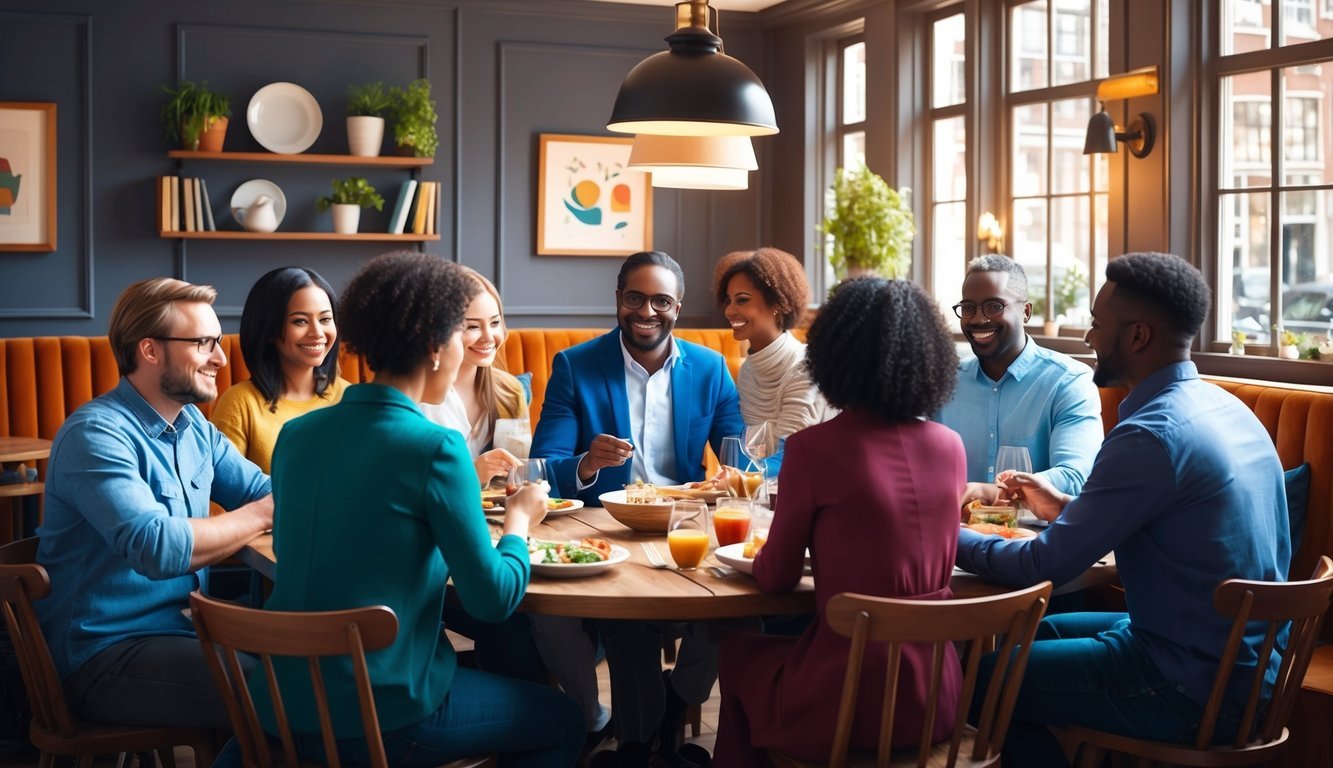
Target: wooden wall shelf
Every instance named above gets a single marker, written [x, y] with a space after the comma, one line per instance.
[365, 237]
[383, 161]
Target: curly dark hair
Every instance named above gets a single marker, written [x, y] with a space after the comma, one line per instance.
[401, 305]
[779, 275]
[882, 346]
[651, 259]
[1165, 285]
[264, 320]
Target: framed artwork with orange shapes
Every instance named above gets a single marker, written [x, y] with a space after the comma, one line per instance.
[27, 176]
[589, 202]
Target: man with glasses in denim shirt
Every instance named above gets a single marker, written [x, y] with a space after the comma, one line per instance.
[1014, 392]
[127, 533]
[639, 405]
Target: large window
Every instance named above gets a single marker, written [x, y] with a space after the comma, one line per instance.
[1274, 190]
[1057, 196]
[948, 224]
[852, 112]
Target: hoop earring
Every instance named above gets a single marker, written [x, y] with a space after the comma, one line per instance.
[436, 367]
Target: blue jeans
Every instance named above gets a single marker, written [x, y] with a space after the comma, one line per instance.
[527, 724]
[1087, 669]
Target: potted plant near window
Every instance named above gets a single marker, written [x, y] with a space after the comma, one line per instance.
[414, 119]
[871, 225]
[348, 198]
[366, 106]
[196, 116]
[1066, 299]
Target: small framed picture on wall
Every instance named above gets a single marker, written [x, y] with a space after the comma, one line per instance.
[27, 176]
[589, 203]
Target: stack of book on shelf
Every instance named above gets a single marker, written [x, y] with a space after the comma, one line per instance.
[183, 205]
[418, 206]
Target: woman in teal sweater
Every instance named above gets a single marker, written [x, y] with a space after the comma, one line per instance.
[374, 504]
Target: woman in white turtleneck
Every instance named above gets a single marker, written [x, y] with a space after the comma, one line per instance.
[763, 294]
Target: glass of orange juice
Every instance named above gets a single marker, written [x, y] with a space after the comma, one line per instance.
[761, 519]
[687, 533]
[731, 521]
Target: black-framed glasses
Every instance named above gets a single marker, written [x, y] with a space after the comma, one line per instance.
[991, 308]
[660, 302]
[206, 344]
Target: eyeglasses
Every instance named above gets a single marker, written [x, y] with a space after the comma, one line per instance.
[990, 308]
[206, 344]
[660, 302]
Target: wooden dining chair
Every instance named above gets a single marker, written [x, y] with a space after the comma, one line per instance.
[54, 730]
[1010, 619]
[225, 629]
[1261, 735]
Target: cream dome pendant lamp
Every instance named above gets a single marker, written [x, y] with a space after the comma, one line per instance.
[693, 89]
[695, 162]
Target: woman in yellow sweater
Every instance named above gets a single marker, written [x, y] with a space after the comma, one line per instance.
[290, 344]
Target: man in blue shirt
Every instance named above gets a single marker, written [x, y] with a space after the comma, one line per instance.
[1015, 393]
[1187, 491]
[127, 533]
[638, 404]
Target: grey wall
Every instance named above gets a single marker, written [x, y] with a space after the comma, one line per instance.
[502, 72]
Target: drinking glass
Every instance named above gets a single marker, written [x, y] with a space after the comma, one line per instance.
[1014, 458]
[761, 518]
[731, 521]
[513, 435]
[529, 472]
[732, 455]
[687, 533]
[760, 443]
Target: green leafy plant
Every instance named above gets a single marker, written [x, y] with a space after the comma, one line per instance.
[368, 100]
[353, 191]
[191, 110]
[1067, 289]
[870, 223]
[414, 118]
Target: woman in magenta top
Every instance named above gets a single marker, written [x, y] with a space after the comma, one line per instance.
[873, 493]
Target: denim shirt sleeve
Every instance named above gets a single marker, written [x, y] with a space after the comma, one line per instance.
[236, 479]
[142, 512]
[1076, 433]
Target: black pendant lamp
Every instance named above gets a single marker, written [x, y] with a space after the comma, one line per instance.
[693, 89]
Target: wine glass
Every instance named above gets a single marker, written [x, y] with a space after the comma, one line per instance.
[687, 533]
[529, 472]
[1014, 458]
[760, 443]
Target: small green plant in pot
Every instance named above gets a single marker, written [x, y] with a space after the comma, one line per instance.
[348, 198]
[367, 104]
[871, 226]
[414, 119]
[196, 116]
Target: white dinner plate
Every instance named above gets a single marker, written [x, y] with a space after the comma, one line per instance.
[245, 195]
[574, 505]
[734, 556]
[574, 570]
[284, 118]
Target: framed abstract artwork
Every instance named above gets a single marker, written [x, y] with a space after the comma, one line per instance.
[588, 201]
[27, 176]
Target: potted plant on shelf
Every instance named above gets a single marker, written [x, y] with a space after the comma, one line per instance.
[366, 106]
[414, 119]
[196, 116]
[870, 224]
[348, 198]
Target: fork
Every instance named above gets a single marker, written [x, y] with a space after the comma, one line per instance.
[654, 558]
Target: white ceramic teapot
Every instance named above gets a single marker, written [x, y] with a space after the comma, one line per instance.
[259, 216]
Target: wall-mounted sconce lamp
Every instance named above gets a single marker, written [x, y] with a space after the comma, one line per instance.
[693, 89]
[1141, 133]
[694, 162]
[990, 232]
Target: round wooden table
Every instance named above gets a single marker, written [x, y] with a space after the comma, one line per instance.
[635, 589]
[26, 496]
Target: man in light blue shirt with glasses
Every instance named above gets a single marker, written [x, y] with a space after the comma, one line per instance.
[1015, 393]
[127, 533]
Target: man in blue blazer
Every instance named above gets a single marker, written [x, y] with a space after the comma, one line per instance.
[639, 405]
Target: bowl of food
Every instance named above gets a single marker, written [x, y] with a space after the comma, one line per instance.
[638, 507]
[992, 514]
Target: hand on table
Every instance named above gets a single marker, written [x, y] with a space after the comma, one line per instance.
[1034, 492]
[494, 462]
[525, 509]
[604, 451]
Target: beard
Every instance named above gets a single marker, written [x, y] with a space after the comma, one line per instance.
[634, 341]
[182, 388]
[1107, 373]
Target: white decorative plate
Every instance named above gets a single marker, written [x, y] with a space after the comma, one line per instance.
[246, 194]
[573, 570]
[734, 556]
[573, 506]
[284, 118]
